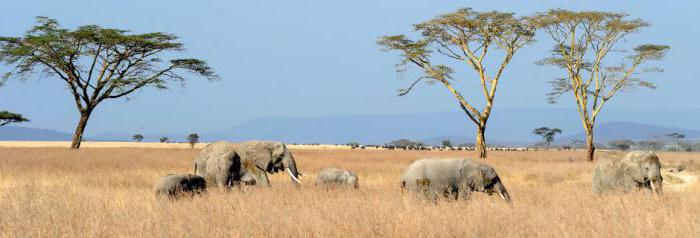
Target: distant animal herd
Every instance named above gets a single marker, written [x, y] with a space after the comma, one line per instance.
[228, 165]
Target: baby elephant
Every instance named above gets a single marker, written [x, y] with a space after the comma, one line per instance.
[177, 185]
[330, 177]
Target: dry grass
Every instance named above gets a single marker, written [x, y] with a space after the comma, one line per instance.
[108, 192]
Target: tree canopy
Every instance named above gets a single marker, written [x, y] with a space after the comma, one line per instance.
[585, 47]
[98, 63]
[465, 36]
[9, 117]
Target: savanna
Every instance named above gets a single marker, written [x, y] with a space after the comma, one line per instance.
[108, 192]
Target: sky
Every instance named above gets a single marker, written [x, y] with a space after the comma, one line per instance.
[319, 58]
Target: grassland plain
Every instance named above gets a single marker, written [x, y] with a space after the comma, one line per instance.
[108, 192]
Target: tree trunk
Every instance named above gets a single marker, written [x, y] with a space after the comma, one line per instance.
[590, 148]
[78, 135]
[548, 145]
[481, 141]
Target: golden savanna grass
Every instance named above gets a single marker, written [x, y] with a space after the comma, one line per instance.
[108, 192]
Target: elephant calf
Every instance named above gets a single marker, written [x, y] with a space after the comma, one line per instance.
[635, 171]
[456, 177]
[176, 185]
[331, 177]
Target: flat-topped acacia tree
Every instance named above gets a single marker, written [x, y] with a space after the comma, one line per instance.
[595, 70]
[98, 63]
[9, 117]
[466, 37]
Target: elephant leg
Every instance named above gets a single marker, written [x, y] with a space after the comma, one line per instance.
[464, 192]
[261, 178]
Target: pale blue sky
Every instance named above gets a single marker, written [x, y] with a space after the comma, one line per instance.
[318, 58]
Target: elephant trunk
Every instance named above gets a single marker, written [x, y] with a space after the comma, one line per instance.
[655, 181]
[501, 190]
[656, 186]
[291, 167]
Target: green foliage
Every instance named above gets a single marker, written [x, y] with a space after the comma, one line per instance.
[621, 144]
[582, 42]
[650, 145]
[98, 63]
[353, 145]
[678, 138]
[447, 143]
[192, 139]
[163, 139]
[9, 117]
[137, 138]
[464, 35]
[547, 134]
[405, 143]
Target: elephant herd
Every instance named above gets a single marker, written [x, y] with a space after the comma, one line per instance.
[225, 165]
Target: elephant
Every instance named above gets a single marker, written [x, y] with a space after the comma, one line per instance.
[635, 171]
[332, 177]
[174, 186]
[453, 176]
[225, 164]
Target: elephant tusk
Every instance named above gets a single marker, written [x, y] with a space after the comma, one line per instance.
[504, 197]
[653, 188]
[292, 175]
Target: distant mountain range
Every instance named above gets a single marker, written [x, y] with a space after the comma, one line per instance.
[506, 127]
[11, 133]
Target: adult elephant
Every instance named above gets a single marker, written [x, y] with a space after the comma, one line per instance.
[224, 163]
[635, 171]
[457, 177]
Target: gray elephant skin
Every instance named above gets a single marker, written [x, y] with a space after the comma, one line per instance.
[225, 164]
[633, 172]
[335, 177]
[455, 177]
[174, 186]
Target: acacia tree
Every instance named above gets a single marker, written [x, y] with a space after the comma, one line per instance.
[621, 144]
[677, 137]
[467, 37]
[9, 117]
[192, 139]
[137, 138]
[584, 44]
[98, 63]
[547, 134]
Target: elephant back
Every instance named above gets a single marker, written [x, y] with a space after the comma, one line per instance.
[215, 163]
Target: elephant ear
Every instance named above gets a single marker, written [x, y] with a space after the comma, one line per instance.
[260, 155]
[473, 177]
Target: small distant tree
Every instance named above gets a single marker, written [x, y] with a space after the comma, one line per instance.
[193, 139]
[447, 143]
[353, 145]
[98, 64]
[163, 139]
[621, 144]
[9, 117]
[468, 38]
[405, 143]
[547, 134]
[677, 137]
[650, 144]
[595, 69]
[137, 138]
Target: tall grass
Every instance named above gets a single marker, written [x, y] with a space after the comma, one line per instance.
[51, 192]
